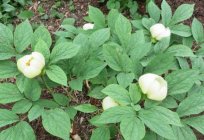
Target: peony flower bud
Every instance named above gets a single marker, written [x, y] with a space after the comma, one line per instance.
[31, 65]
[154, 86]
[88, 26]
[108, 102]
[159, 31]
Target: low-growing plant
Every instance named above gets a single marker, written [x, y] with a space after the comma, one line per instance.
[147, 72]
[130, 5]
[11, 9]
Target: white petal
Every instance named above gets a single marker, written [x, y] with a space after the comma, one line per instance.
[21, 63]
[108, 102]
[158, 89]
[167, 33]
[31, 72]
[157, 29]
[39, 57]
[146, 80]
[88, 26]
[36, 64]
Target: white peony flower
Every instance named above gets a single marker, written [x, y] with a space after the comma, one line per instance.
[88, 26]
[159, 31]
[154, 86]
[108, 102]
[31, 65]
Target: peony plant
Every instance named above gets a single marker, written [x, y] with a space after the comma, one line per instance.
[144, 72]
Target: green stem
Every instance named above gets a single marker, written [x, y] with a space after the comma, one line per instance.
[43, 79]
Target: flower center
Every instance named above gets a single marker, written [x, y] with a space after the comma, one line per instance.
[29, 61]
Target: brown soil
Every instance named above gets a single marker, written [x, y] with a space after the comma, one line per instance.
[80, 124]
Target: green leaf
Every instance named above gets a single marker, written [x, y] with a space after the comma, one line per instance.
[125, 79]
[92, 68]
[166, 13]
[26, 14]
[86, 108]
[123, 29]
[169, 102]
[183, 133]
[96, 16]
[35, 112]
[180, 50]
[7, 117]
[140, 50]
[7, 7]
[64, 50]
[8, 69]
[41, 33]
[99, 37]
[22, 106]
[9, 93]
[57, 123]
[76, 84]
[137, 24]
[45, 103]
[132, 129]
[166, 116]
[160, 64]
[197, 63]
[148, 22]
[156, 124]
[112, 17]
[135, 93]
[71, 111]
[200, 52]
[68, 21]
[150, 135]
[117, 59]
[183, 63]
[193, 104]
[118, 93]
[6, 43]
[61, 99]
[188, 41]
[182, 13]
[161, 45]
[32, 89]
[20, 82]
[197, 30]
[101, 133]
[196, 122]
[181, 30]
[56, 74]
[22, 2]
[154, 11]
[136, 41]
[22, 131]
[96, 93]
[22, 36]
[42, 48]
[116, 114]
[181, 81]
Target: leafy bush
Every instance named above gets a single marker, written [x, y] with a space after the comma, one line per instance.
[9, 9]
[114, 56]
[122, 5]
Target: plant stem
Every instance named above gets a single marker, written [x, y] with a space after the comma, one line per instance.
[43, 79]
